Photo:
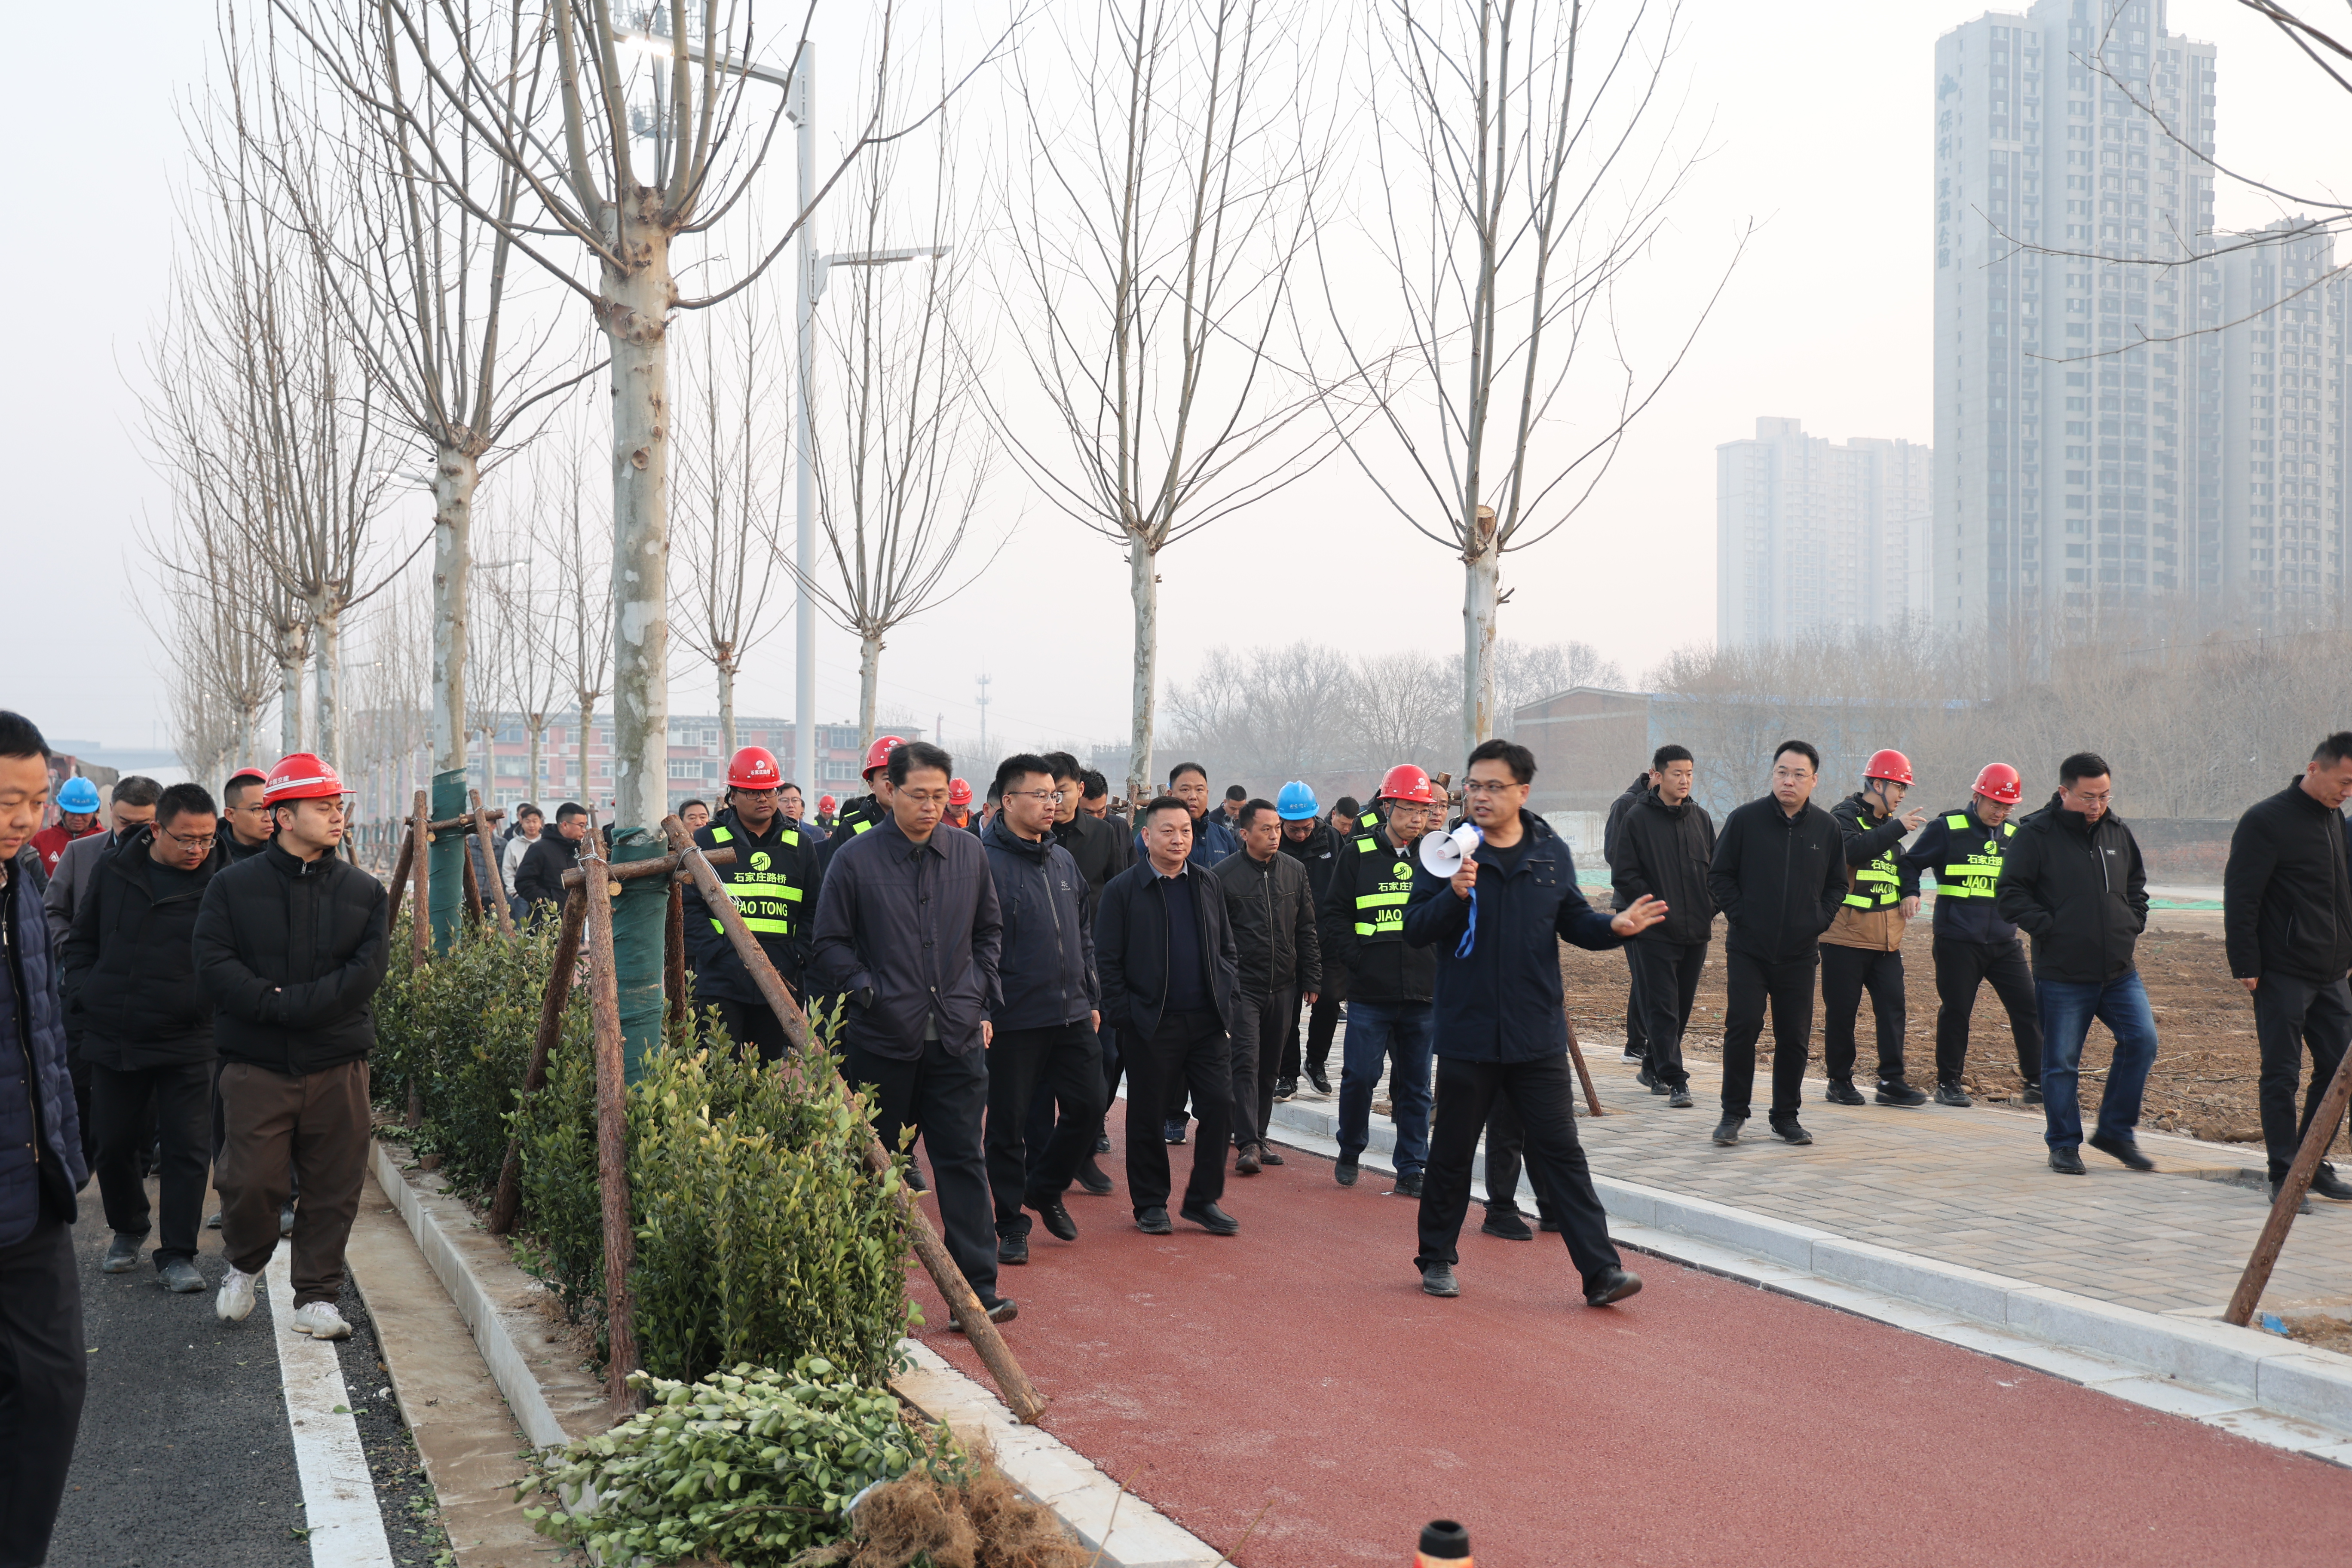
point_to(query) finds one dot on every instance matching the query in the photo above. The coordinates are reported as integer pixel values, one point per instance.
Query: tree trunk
(455, 475)
(289, 696)
(1143, 585)
(326, 651)
(635, 307)
(1482, 584)
(537, 732)
(726, 664)
(869, 680)
(587, 724)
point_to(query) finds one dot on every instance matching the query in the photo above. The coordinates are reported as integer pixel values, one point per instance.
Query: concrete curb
(2266, 1387)
(556, 1403)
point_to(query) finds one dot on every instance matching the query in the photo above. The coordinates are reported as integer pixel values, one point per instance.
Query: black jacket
(41, 1163)
(539, 878)
(2286, 895)
(1272, 912)
(1957, 839)
(773, 881)
(909, 931)
(1132, 948)
(2079, 890)
(1045, 963)
(1662, 851)
(130, 964)
(1319, 853)
(1367, 940)
(1626, 800)
(291, 955)
(1101, 851)
(857, 814)
(1777, 881)
(1501, 1001)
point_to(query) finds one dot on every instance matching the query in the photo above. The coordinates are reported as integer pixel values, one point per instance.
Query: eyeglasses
(1052, 795)
(1489, 787)
(925, 797)
(201, 845)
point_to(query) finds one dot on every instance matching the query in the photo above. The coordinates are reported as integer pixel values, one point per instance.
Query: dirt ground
(2206, 1066)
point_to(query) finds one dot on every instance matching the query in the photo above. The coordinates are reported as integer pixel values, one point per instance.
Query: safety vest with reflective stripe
(1877, 884)
(768, 898)
(1379, 911)
(1971, 865)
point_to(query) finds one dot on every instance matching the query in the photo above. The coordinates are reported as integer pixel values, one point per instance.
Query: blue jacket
(41, 1166)
(1503, 1002)
(1045, 969)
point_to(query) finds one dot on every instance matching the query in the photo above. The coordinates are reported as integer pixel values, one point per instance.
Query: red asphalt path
(1294, 1375)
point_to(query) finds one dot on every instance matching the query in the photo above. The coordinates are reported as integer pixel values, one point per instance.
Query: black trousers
(1064, 1062)
(1846, 973)
(1257, 1055)
(1322, 1025)
(1507, 1146)
(2291, 1015)
(1961, 967)
(1667, 983)
(44, 1371)
(943, 1095)
(1543, 1092)
(1749, 984)
(181, 1096)
(78, 1066)
(1637, 1019)
(753, 1026)
(1044, 1108)
(1188, 1051)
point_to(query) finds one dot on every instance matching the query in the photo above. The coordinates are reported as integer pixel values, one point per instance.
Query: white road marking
(337, 1496)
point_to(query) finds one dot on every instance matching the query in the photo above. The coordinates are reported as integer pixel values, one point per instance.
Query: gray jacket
(76, 868)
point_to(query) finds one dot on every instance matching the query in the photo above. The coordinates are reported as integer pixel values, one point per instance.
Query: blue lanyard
(1470, 931)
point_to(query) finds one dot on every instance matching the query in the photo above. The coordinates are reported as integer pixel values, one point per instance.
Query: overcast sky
(1818, 116)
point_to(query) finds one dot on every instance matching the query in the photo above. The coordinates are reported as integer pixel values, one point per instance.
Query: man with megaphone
(1498, 1022)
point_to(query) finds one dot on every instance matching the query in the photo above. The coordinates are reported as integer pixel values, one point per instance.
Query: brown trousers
(317, 1121)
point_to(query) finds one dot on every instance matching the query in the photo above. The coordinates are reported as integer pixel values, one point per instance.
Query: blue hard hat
(1294, 802)
(78, 795)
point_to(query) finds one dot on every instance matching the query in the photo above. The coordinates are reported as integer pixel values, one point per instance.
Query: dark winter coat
(1272, 912)
(1501, 1001)
(291, 953)
(1626, 800)
(1943, 843)
(1662, 851)
(909, 932)
(773, 880)
(1045, 968)
(1778, 880)
(857, 814)
(41, 1165)
(1382, 968)
(2286, 894)
(539, 878)
(130, 966)
(1101, 851)
(2079, 890)
(1132, 948)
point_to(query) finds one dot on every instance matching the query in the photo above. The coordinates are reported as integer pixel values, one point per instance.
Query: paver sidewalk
(1972, 1187)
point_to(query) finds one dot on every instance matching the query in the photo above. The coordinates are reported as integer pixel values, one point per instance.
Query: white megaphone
(1443, 853)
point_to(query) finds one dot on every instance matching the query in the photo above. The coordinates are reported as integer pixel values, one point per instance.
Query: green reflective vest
(765, 894)
(1972, 857)
(1877, 884)
(1379, 910)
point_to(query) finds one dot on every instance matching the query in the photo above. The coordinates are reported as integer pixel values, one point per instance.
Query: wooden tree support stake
(1028, 1405)
(2283, 1208)
(1583, 1074)
(399, 876)
(476, 913)
(611, 1138)
(552, 1004)
(420, 950)
(490, 859)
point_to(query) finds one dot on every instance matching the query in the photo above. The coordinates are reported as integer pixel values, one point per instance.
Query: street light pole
(798, 108)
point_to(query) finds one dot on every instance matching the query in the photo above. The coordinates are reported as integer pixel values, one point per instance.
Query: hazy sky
(1820, 118)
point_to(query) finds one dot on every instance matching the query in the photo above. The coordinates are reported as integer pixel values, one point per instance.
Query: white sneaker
(321, 1322)
(235, 1302)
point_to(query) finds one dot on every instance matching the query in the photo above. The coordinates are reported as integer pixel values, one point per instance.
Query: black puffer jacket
(130, 964)
(2287, 896)
(1045, 968)
(2079, 890)
(1272, 912)
(1663, 851)
(291, 953)
(1778, 881)
(1100, 849)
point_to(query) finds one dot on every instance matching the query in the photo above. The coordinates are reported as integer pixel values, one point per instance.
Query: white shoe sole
(230, 1311)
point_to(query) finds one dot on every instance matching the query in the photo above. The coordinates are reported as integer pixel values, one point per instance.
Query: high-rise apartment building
(1814, 536)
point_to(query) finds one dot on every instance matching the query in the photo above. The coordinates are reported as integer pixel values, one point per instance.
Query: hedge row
(761, 1235)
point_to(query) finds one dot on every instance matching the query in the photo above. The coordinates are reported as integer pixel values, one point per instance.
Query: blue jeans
(1398, 1032)
(2067, 1010)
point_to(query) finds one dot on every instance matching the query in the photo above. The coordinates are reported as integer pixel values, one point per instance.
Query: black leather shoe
(1245, 1164)
(122, 1252)
(1508, 1224)
(1344, 1172)
(1792, 1132)
(1322, 1084)
(1437, 1279)
(1266, 1157)
(2032, 1095)
(1091, 1178)
(1893, 1091)
(2122, 1149)
(1611, 1285)
(1153, 1222)
(1727, 1132)
(915, 1181)
(2327, 1183)
(1013, 1251)
(1679, 1099)
(1173, 1131)
(1004, 1310)
(1407, 1187)
(2066, 1161)
(1211, 1218)
(1102, 1145)
(1058, 1223)
(1548, 1226)
(1953, 1094)
(1843, 1092)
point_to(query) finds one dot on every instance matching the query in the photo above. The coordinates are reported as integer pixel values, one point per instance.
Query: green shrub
(748, 1467)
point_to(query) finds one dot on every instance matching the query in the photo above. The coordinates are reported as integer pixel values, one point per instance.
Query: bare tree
(1153, 229)
(585, 591)
(730, 463)
(526, 663)
(1521, 176)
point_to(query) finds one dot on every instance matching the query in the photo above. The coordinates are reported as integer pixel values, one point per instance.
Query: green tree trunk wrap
(640, 922)
(449, 870)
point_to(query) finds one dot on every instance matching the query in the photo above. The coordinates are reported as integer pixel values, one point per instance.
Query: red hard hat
(303, 775)
(1405, 782)
(255, 774)
(825, 802)
(754, 767)
(2000, 782)
(877, 755)
(959, 793)
(1890, 765)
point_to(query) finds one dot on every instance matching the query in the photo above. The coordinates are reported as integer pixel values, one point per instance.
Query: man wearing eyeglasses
(146, 1027)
